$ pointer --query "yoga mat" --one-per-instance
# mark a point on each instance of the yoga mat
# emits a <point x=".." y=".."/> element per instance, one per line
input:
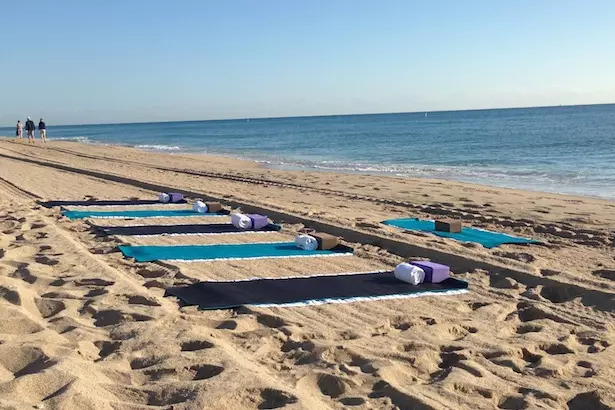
<point x="200" y="229"/>
<point x="226" y="251"/>
<point x="105" y="202"/>
<point x="145" y="213"/>
<point x="486" y="238"/>
<point x="308" y="290"/>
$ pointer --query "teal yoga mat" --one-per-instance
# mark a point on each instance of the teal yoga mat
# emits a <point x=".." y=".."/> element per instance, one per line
<point x="150" y="213"/>
<point x="486" y="238"/>
<point x="227" y="251"/>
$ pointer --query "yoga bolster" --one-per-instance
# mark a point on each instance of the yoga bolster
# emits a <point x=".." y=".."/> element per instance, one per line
<point x="434" y="272"/>
<point x="448" y="225"/>
<point x="325" y="241"/>
<point x="258" y="221"/>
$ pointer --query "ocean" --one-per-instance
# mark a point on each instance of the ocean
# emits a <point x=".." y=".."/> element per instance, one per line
<point x="568" y="150"/>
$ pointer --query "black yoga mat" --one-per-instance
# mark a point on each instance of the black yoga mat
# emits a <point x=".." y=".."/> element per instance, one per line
<point x="105" y="202"/>
<point x="307" y="290"/>
<point x="179" y="229"/>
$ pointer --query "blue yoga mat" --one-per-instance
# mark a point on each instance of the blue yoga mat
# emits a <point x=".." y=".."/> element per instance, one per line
<point x="486" y="238"/>
<point x="227" y="251"/>
<point x="150" y="213"/>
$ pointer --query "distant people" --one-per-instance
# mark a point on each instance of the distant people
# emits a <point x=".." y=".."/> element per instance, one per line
<point x="30" y="130"/>
<point x="42" y="130"/>
<point x="19" y="131"/>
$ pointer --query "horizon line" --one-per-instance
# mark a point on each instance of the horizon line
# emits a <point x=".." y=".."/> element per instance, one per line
<point x="329" y="115"/>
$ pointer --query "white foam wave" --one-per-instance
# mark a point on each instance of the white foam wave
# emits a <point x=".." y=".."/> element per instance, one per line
<point x="79" y="138"/>
<point x="158" y="147"/>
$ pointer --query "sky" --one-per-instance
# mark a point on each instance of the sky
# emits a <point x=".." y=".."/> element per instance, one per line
<point x="77" y="62"/>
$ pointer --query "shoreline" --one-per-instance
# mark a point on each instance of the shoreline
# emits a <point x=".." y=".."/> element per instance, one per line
<point x="268" y="165"/>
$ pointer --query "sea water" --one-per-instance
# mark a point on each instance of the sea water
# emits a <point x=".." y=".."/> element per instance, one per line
<point x="553" y="149"/>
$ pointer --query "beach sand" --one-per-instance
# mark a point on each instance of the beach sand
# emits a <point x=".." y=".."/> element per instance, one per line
<point x="83" y="328"/>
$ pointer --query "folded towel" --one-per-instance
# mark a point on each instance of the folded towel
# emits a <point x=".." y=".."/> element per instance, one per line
<point x="250" y="221"/>
<point x="241" y="221"/>
<point x="176" y="196"/>
<point x="409" y="273"/>
<point x="306" y="242"/>
<point x="164" y="197"/>
<point x="200" y="207"/>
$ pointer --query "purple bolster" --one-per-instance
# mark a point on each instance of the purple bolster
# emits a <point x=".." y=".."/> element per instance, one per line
<point x="434" y="272"/>
<point x="258" y="221"/>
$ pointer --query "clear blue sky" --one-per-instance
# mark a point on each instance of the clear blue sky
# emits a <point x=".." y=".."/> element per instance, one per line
<point x="76" y="61"/>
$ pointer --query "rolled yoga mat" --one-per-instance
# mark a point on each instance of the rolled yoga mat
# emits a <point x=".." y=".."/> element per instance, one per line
<point x="145" y="213"/>
<point x="309" y="290"/>
<point x="105" y="202"/>
<point x="226" y="251"/>
<point x="199" y="229"/>
<point x="486" y="238"/>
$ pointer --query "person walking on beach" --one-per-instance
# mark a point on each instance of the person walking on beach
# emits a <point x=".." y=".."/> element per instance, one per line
<point x="42" y="130"/>
<point x="30" y="130"/>
<point x="19" y="131"/>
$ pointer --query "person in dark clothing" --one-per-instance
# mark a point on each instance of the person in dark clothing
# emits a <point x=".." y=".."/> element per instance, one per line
<point x="30" y="130"/>
<point x="42" y="130"/>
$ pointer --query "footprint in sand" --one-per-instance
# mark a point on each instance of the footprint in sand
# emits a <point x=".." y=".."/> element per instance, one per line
<point x="151" y="273"/>
<point x="96" y="292"/>
<point x="195" y="345"/>
<point x="44" y="260"/>
<point x="274" y="399"/>
<point x="107" y="347"/>
<point x="200" y="372"/>
<point x="23" y="360"/>
<point x="142" y="300"/>
<point x="24" y="274"/>
<point x="518" y="256"/>
<point x="94" y="282"/>
<point x="327" y="384"/>
<point x="512" y="403"/>
<point x="113" y="317"/>
<point x="589" y="400"/>
<point x="382" y="389"/>
<point x="528" y="328"/>
<point x="10" y="296"/>
<point x="145" y="362"/>
<point x="594" y="343"/>
<point x="164" y="395"/>
<point x="271" y="321"/>
<point x="528" y="312"/>
<point x="49" y="307"/>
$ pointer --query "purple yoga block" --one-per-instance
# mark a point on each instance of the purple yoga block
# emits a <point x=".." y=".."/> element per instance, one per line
<point x="434" y="272"/>
<point x="176" y="196"/>
<point x="258" y="221"/>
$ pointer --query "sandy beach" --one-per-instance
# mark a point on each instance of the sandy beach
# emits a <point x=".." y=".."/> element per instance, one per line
<point x="84" y="328"/>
